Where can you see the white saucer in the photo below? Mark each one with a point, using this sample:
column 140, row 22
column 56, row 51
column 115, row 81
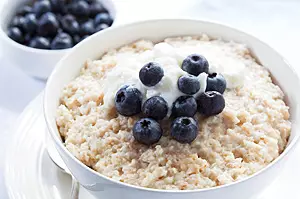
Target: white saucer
column 30, row 174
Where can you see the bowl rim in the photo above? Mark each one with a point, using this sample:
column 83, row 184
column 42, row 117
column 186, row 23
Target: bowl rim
column 46, row 51
column 59, row 143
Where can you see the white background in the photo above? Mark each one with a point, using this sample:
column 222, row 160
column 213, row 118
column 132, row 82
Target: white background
column 275, row 21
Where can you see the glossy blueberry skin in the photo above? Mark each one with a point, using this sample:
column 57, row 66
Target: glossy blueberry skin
column 30, row 23
column 155, row 107
column 40, row 43
column 151, row 74
column 101, row 27
column 210, row 103
column 15, row 34
column 128, row 101
column 79, row 8
column 48, row 25
column 41, row 7
column 24, row 10
column 70, row 25
column 58, row 6
column 184, row 129
column 103, row 18
column 62, row 41
column 195, row 64
column 18, row 21
column 96, row 8
column 216, row 82
column 87, row 28
column 76, row 39
column 188, row 84
column 27, row 39
column 147, row 131
column 184, row 106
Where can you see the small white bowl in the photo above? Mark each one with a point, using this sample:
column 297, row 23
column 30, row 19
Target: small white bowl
column 156, row 30
column 35, row 62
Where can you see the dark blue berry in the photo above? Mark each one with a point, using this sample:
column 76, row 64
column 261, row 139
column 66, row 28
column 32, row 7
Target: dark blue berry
column 151, row 74
column 188, row 84
column 27, row 39
column 79, row 8
column 195, row 64
column 48, row 25
column 210, row 103
column 184, row 106
column 147, row 131
column 24, row 10
column 18, row 21
column 84, row 37
column 101, row 27
column 216, row 82
column 87, row 28
column 41, row 7
column 128, row 101
column 184, row 129
column 76, row 39
column 30, row 23
column 96, row 8
column 40, row 42
column 155, row 107
column 70, row 25
column 103, row 18
column 15, row 34
column 62, row 41
column 58, row 6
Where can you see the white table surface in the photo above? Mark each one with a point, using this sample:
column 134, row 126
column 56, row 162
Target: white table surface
column 274, row 21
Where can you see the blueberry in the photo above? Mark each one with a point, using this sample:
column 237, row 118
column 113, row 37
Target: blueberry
column 195, row 64
column 151, row 74
column 27, row 39
column 18, row 21
column 155, row 107
column 103, row 18
column 58, row 5
column 184, row 129
column 70, row 25
column 188, row 84
column 41, row 7
column 147, row 131
column 84, row 37
column 40, row 42
column 30, row 23
column 24, row 10
column 15, row 34
column 101, row 27
column 76, row 39
column 128, row 101
column 79, row 8
column 96, row 8
column 210, row 103
column 62, row 41
column 216, row 82
column 87, row 28
column 184, row 106
column 48, row 25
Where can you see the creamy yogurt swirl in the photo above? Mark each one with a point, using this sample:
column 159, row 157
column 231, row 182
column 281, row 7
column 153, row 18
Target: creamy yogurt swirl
column 126, row 72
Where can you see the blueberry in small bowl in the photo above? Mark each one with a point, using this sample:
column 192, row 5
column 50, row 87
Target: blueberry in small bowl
column 36, row 34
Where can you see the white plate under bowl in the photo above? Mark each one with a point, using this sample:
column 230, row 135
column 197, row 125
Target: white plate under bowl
column 30, row 174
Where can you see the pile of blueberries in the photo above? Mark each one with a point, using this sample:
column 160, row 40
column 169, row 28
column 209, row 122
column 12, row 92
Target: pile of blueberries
column 184, row 128
column 58, row 24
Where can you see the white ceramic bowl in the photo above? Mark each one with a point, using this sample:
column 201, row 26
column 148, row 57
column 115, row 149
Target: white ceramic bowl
column 156, row 30
column 35, row 62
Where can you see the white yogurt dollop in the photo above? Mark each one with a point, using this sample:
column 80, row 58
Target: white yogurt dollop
column 126, row 72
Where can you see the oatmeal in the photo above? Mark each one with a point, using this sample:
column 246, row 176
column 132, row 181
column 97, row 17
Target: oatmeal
column 251, row 131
